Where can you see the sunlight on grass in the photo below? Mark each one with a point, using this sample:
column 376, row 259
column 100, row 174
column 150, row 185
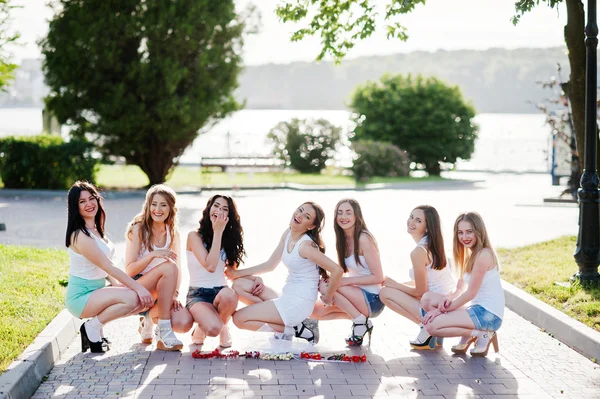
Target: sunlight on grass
column 535, row 269
column 30, row 295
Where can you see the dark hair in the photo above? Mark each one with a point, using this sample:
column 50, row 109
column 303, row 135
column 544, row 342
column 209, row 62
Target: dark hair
column 75, row 222
column 360, row 227
column 435, row 244
column 233, row 235
column 315, row 234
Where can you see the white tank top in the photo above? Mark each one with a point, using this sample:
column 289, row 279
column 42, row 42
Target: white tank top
column 361, row 270
column 83, row 268
column 300, row 270
column 490, row 295
column 438, row 281
column 156, row 261
column 200, row 277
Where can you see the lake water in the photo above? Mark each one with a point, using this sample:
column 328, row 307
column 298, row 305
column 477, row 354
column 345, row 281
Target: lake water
column 507, row 142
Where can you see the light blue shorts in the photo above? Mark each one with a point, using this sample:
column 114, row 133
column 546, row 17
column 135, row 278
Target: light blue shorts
column 79, row 291
column 483, row 319
column 374, row 303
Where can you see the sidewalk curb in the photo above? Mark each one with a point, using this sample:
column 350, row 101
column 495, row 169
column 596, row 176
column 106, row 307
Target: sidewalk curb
column 567, row 330
column 23, row 377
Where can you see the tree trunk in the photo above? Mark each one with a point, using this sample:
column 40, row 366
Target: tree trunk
column 575, row 39
column 156, row 162
column 433, row 169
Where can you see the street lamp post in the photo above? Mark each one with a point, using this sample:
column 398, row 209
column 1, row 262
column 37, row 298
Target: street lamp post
column 587, row 251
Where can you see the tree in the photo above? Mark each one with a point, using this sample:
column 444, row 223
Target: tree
column 423, row 116
column 143, row 77
column 6, row 37
column 574, row 32
column 341, row 23
column 305, row 145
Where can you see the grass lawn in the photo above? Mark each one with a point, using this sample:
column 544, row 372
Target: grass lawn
column 122, row 177
column 30, row 295
column 535, row 269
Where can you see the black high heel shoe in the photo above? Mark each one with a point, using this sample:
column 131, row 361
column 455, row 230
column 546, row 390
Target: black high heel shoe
column 310, row 325
column 94, row 347
column 357, row 340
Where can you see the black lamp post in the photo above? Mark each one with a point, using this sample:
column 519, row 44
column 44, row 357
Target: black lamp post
column 587, row 252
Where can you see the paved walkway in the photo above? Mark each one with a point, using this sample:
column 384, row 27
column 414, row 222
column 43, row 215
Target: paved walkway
column 530, row 362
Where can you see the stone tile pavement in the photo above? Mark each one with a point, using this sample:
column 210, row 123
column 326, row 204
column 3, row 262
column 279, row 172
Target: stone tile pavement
column 530, row 362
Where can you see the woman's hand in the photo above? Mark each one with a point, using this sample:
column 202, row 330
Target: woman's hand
column 431, row 315
column 230, row 273
column 327, row 300
column 176, row 304
column 445, row 304
column 166, row 254
column 388, row 281
column 219, row 222
column 258, row 287
column 146, row 299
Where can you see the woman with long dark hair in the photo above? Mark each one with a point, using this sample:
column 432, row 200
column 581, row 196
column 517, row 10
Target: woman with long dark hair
column 90, row 253
column 216, row 245
column 302, row 250
column 357, row 297
column 479, row 286
column 152, row 257
column 430, row 273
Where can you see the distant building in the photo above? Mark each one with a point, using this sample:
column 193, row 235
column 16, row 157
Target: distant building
column 28, row 88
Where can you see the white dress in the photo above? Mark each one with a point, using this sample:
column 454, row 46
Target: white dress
column 438, row 281
column 301, row 287
column 361, row 270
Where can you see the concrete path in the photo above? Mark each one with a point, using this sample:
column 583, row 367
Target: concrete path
column 530, row 362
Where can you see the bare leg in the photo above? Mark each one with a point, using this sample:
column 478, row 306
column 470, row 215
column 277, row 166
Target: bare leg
column 401, row 303
column 457, row 323
column 162, row 283
column 110, row 303
column 226, row 302
column 243, row 288
column 207, row 317
column 255, row 316
column 351, row 300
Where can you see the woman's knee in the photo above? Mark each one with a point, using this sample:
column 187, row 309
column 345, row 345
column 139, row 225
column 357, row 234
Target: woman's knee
column 432, row 328
column 168, row 269
column 131, row 300
column 240, row 286
column 228, row 297
column 238, row 319
column 426, row 301
column 384, row 295
column 182, row 321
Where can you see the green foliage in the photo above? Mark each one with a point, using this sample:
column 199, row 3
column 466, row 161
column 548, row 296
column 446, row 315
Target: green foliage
column 305, row 145
column 378, row 159
column 30, row 295
column 45, row 162
column 523, row 6
column 143, row 77
column 340, row 23
column 6, row 37
column 421, row 115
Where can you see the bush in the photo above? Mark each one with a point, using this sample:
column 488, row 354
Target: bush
column 305, row 145
column 424, row 116
column 46, row 162
column 379, row 159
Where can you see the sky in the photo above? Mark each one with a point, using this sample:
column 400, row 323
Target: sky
column 439, row 24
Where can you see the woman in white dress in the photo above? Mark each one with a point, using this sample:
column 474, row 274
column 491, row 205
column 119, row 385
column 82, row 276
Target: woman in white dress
column 216, row 245
column 91, row 252
column 302, row 251
column 475, row 309
column 357, row 297
column 152, row 258
column 430, row 273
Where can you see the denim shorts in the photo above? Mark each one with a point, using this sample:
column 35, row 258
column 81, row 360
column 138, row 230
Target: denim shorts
column 483, row 319
column 201, row 294
column 373, row 302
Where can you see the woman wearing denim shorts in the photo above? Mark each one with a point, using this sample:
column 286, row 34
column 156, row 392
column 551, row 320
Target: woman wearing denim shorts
column 357, row 298
column 474, row 313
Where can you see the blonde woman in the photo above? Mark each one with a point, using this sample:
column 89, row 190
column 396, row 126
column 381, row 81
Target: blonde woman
column 152, row 258
column 479, row 285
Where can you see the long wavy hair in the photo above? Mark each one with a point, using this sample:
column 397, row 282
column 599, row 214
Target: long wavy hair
column 315, row 234
column 359, row 227
column 144, row 218
column 75, row 222
column 233, row 235
column 465, row 258
column 435, row 243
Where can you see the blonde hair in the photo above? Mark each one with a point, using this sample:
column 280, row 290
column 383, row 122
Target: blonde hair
column 463, row 257
column 144, row 218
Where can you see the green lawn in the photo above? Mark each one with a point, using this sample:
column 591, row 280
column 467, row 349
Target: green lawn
column 30, row 295
column 122, row 177
column 536, row 268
